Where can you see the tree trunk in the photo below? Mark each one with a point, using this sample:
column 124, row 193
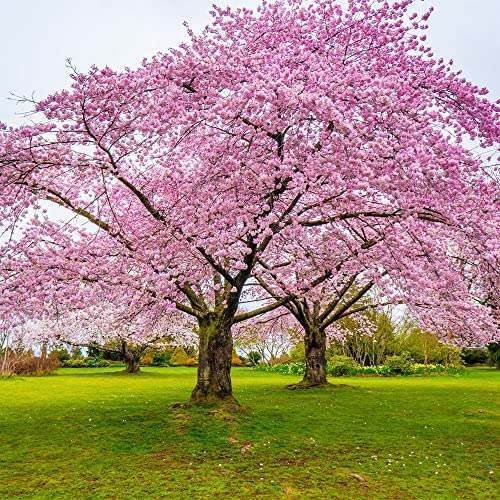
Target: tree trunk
column 43, row 354
column 315, row 347
column 132, row 365
column 214, row 361
column 130, row 359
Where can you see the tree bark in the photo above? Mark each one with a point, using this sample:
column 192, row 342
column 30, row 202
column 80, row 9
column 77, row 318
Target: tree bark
column 214, row 361
column 130, row 359
column 315, row 348
column 43, row 354
column 132, row 365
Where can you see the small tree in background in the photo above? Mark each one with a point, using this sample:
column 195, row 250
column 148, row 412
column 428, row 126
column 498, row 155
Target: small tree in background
column 179, row 356
column 474, row 356
column 298, row 353
column 254, row 357
column 494, row 354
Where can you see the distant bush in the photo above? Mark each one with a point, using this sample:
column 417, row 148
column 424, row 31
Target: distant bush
column 341, row 365
column 159, row 359
column 86, row 363
column 61, row 354
column 254, row 357
column 190, row 362
column 28, row 365
column 298, row 353
column 474, row 356
column 288, row 369
column 147, row 360
column 494, row 354
column 236, row 361
column 179, row 356
column 400, row 365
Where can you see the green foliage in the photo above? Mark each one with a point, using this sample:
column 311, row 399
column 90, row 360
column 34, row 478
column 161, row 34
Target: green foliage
column 424, row 347
column 341, row 365
column 254, row 357
column 401, row 365
column 390, row 338
column 298, row 353
column 190, row 351
column 160, row 359
column 111, row 351
column 345, row 367
column 76, row 352
column 94, row 352
column 61, row 354
column 85, row 363
column 285, row 369
column 472, row 356
column 365, row 349
column 179, row 356
column 494, row 354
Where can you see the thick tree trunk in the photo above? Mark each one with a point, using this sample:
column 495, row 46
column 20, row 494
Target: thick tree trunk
column 214, row 362
column 315, row 347
column 132, row 365
column 130, row 359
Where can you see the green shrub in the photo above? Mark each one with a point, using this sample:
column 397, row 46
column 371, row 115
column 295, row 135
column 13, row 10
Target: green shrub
column 159, row 359
column 474, row 356
column 401, row 365
column 74, row 363
column 179, row 356
column 342, row 365
column 494, row 354
column 298, row 353
column 91, row 361
column 61, row 354
column 287, row 369
column 88, row 363
column 254, row 357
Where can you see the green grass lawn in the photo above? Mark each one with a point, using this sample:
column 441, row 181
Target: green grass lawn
column 97, row 433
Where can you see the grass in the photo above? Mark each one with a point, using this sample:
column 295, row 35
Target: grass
column 96, row 433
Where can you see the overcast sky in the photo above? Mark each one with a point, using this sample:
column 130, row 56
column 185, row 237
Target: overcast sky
column 38, row 36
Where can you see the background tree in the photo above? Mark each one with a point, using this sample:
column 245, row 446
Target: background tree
column 116, row 331
column 494, row 354
column 270, row 336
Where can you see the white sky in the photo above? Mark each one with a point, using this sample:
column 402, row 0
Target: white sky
column 37, row 36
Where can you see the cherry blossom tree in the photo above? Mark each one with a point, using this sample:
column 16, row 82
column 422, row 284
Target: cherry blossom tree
column 428, row 281
column 115, row 331
column 271, row 335
column 299, row 123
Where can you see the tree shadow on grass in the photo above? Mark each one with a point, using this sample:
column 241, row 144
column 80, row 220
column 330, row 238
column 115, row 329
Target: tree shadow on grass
column 300, row 386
